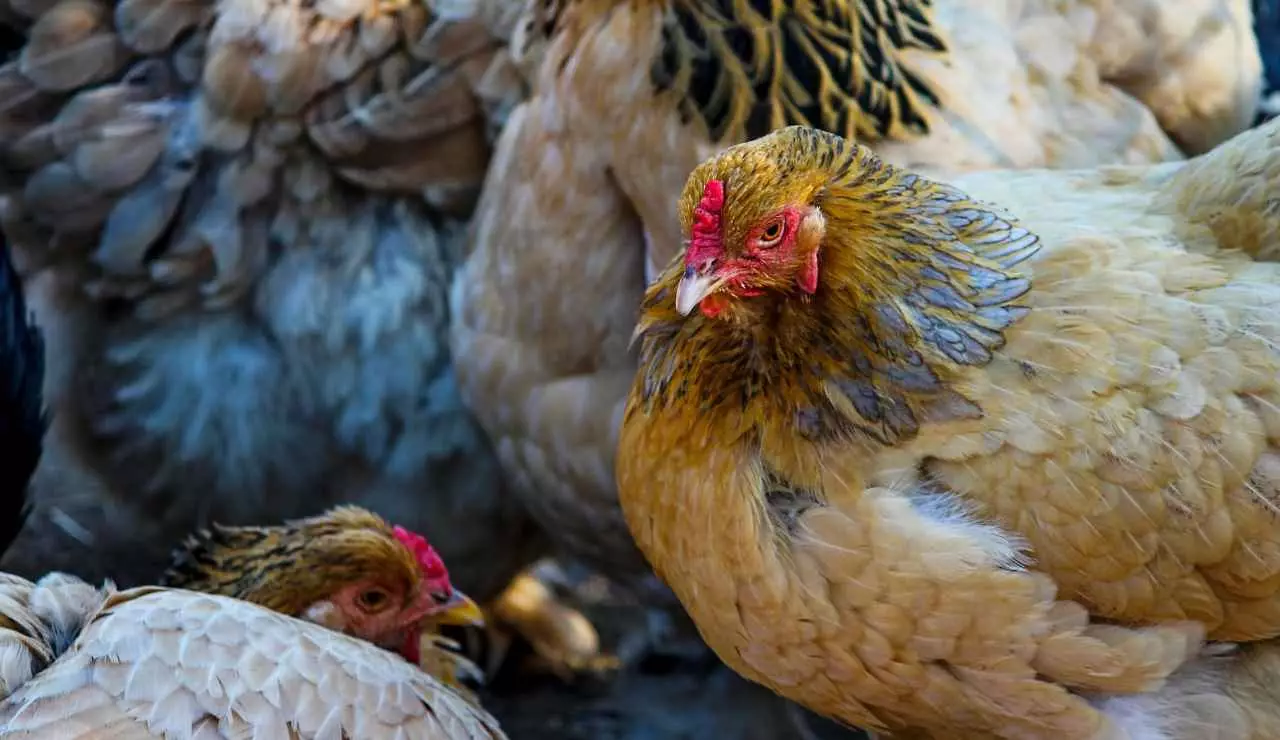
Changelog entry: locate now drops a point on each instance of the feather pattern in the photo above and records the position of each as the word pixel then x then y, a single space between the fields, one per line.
pixel 170 663
pixel 746 67
pixel 742 68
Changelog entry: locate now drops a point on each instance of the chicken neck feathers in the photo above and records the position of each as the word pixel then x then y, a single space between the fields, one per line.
pixel 22 416
pixel 921 279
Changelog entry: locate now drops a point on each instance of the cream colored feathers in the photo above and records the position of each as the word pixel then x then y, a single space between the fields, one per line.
pixel 176 664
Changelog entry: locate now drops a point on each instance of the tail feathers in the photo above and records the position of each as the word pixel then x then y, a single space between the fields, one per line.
pixel 1225 197
pixel 22 416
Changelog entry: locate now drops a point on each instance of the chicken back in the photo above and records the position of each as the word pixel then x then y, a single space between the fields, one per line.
pixel 169 663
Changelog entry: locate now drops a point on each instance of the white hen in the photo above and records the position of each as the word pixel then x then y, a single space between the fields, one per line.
pixel 151 662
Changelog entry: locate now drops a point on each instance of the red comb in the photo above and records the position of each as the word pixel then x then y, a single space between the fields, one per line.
pixel 706 238
pixel 428 559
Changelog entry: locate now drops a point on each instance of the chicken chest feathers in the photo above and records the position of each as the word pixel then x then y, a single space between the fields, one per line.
pixel 931 289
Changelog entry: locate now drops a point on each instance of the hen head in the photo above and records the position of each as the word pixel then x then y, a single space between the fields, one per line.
pixel 868 288
pixel 346 569
pixel 754 225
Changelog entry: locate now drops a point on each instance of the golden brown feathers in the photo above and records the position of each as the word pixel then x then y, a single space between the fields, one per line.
pixel 288 568
pixel 972 478
pixel 921 280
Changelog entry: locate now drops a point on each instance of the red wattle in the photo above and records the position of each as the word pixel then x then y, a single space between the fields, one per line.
pixel 412 648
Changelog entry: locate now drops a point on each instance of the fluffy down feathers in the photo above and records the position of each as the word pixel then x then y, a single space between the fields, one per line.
pixel 185 665
pixel 263 201
pixel 903 499
pixel 544 305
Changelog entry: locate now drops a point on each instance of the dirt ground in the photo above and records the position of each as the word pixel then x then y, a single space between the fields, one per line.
pixel 662 697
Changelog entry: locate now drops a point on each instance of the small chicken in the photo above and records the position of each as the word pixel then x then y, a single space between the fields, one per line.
pixel 629 95
pixel 918 462
pixel 151 662
pixel 346 561
pixel 347 571
pixel 22 419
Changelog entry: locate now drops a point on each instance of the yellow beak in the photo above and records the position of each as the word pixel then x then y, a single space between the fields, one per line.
pixel 459 610
pixel 692 288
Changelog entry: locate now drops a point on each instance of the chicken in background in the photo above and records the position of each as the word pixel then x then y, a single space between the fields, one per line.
pixel 142 660
pixel 627 97
pixel 917 462
pixel 239 221
pixel 22 417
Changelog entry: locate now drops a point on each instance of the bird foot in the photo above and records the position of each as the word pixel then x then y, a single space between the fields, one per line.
pixel 564 642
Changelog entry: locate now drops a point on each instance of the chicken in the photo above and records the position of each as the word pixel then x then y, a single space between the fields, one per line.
pixel 347 571
pixel 627 97
pixel 22 420
pixel 914 461
pixel 290 569
pixel 152 662
pixel 240 220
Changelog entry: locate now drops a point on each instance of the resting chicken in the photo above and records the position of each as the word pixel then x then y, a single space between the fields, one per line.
pixel 628 96
pixel 982 459
pixel 168 662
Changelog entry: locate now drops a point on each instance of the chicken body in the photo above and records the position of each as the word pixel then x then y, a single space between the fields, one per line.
pixel 240 220
pixel 628 97
pixel 898 461
pixel 176 664
pixel 346 571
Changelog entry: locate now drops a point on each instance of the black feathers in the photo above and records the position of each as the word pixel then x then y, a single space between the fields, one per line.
pixel 22 417
pixel 746 67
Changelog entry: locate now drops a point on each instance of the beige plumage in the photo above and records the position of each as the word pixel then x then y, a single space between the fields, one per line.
pixel 992 467
pixel 629 96
pixel 169 663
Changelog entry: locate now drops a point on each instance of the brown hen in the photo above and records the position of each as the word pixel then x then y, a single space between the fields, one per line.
pixel 917 463
pixel 628 97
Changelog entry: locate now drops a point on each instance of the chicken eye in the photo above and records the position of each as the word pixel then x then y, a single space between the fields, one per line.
pixel 771 234
pixel 373 599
